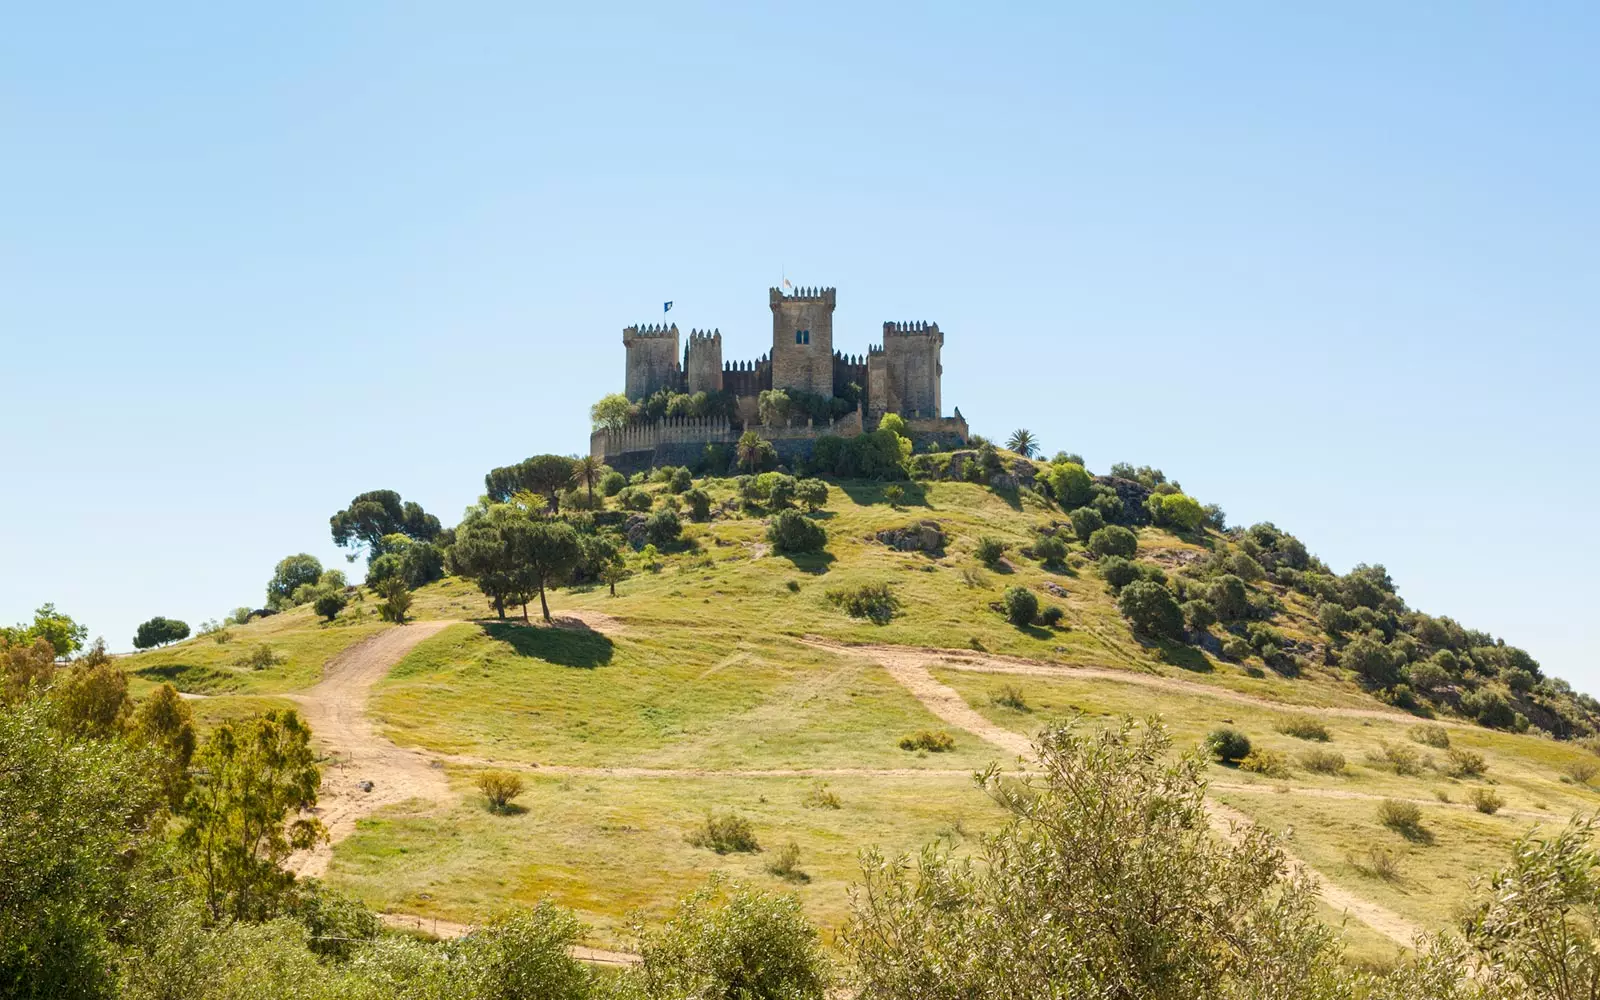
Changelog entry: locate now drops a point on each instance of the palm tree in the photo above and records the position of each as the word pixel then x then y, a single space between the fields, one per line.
pixel 750 448
pixel 586 471
pixel 1022 442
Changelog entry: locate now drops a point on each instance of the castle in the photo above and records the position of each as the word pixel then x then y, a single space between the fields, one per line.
pixel 901 375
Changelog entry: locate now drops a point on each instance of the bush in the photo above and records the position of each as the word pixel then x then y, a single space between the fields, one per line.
pixel 1490 709
pixel 1230 597
pixel 329 603
pixel 932 742
pixel 1022 606
pixel 1237 648
pixel 1431 735
pixel 680 480
pixel 1113 540
pixel 499 787
pixel 1372 661
pixel 259 657
pixel 1010 696
pixel 777 488
pixel 1051 616
pixel 1427 676
pixel 821 797
pixel 1304 727
pixel 1402 760
pixel 699 504
pixel 1266 762
pixel 1176 511
pixel 990 550
pixel 873 601
pixel 1227 744
pixel 1050 550
pixel 1117 572
pixel 1151 609
pixel 634 498
pixel 1486 800
pixel 1322 761
pixel 1463 763
pixel 786 864
pixel 812 492
pixel 1070 484
pixel 1379 863
pixel 1085 522
pixel 1405 818
pixel 1581 771
pixel 725 833
pixel 791 531
pixel 612 483
pixel 663 527
pixel 894 493
pixel 1199 615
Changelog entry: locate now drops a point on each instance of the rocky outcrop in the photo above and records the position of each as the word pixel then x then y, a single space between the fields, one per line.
pixel 923 536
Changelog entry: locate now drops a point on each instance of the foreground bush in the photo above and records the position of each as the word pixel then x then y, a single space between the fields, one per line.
pixel 1022 606
pixel 932 742
pixel 791 531
pixel 1228 744
pixel 499 788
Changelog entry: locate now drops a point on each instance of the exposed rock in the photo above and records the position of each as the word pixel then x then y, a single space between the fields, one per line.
pixel 1003 483
pixel 1024 472
pixel 1133 495
pixel 923 536
pixel 1055 588
pixel 635 530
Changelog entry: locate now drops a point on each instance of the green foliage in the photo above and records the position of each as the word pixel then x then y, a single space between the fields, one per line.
pixel 1371 661
pixel 63 634
pixel 1022 442
pixel 729 941
pixel 1106 882
pixel 612 483
pixel 1010 696
pixel 329 603
pixel 699 504
pixel 546 475
pixel 1022 606
pixel 895 424
pixel 793 532
pixel 1151 609
pixel 372 516
pixel 92 696
pixel 682 480
pixel 786 864
pixel 1490 708
pixel 929 741
pixel 512 557
pixel 1176 511
pixel 873 601
pixel 894 493
pixel 1071 485
pixel 813 493
pixel 755 452
pixel 1304 727
pixel 499 788
pixel 396 601
pixel 1265 762
pixel 1113 540
pixel 1117 572
pixel 163 725
pixel 821 797
pixel 990 550
pixel 611 412
pixel 881 454
pixel 258 657
pixel 414 563
pixel 663 527
pixel 1085 522
pixel 725 833
pixel 292 573
pixel 250 778
pixel 1459 762
pixel 1227 744
pixel 1430 734
pixel 777 488
pixel 1486 800
pixel 1050 550
pixel 633 498
pixel 73 813
pixel 1198 614
pixel 159 631
pixel 1405 818
pixel 774 408
pixel 1427 676
pixel 25 667
pixel 1051 616
pixel 1322 761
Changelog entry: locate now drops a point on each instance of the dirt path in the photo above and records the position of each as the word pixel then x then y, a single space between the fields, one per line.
pixel 450 929
pixel 336 709
pixel 984 663
pixel 909 668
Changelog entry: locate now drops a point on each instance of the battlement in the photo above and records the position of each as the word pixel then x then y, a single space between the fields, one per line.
pixel 648 331
pixel 849 359
pixel 916 328
pixel 828 296
pixel 695 335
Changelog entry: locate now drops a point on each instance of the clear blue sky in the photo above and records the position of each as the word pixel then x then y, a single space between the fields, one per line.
pixel 1334 268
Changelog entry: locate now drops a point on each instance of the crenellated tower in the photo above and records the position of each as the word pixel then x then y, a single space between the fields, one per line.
pixel 652 353
pixel 903 375
pixel 802 339
pixel 702 361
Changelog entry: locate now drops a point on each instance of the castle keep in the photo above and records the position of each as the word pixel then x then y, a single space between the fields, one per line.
pixel 899 375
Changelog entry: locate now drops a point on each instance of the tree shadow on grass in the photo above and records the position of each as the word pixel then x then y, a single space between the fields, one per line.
pixel 1177 654
pixel 568 646
pixel 869 492
pixel 815 563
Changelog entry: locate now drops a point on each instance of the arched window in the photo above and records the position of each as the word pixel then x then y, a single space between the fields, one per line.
pixel 802 336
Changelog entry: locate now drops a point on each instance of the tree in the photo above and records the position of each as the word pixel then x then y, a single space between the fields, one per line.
pixel 251 776
pixel 754 451
pixel 487 551
pixel 1105 882
pixel 663 527
pixel 416 563
pixel 159 631
pixel 74 826
pixel 1022 606
pixel 1070 484
pixel 329 603
pixel 1085 522
pixel 93 695
pixel 1022 442
pixel 792 532
pixel 1113 540
pixel 894 424
pixel 64 635
pixel 396 601
pixel 552 551
pixel 1176 510
pixel 164 723
pixel 1228 745
pixel 774 406
pixel 546 475
pixel 813 493
pixel 373 515
pixel 1151 609
pixel 587 471
pixel 611 413
pixel 291 574
pixel 1371 661
pixel 699 504
pixel 727 940
pixel 25 666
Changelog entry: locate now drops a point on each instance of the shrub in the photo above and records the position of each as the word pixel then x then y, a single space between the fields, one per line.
pixel 680 480
pixel 329 603
pixel 499 787
pixel 1463 763
pixel 634 498
pixel 1022 606
pixel 699 504
pixel 932 742
pixel 990 550
pixel 1070 484
pixel 1378 862
pixel 1198 615
pixel 1405 818
pixel 1085 522
pixel 1304 727
pixel 1236 648
pixel 1581 771
pixel 258 657
pixel 786 864
pixel 612 483
pixel 1490 709
pixel 1228 745
pixel 1322 761
pixel 1151 609
pixel 1230 597
pixel 663 527
pixel 725 833
pixel 821 797
pixel 777 488
pixel 813 493
pixel 1427 676
pixel 792 531
pixel 1113 540
pixel 1372 661
pixel 894 494
pixel 1010 696
pixel 1176 511
pixel 1486 800
pixel 396 601
pixel 1266 762
pixel 873 601
pixel 1051 616
pixel 1429 734
pixel 1117 572
pixel 1050 550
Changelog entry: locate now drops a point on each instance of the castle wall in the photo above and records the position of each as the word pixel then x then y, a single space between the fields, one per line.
pixel 682 441
pixel 946 432
pixel 652 360
pixel 912 352
pixel 879 400
pixel 702 361
pixel 806 366
pixel 847 369
pixel 747 378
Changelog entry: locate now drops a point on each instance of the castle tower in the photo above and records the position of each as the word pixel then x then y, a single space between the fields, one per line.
pixel 702 361
pixel 652 359
pixel 906 375
pixel 802 339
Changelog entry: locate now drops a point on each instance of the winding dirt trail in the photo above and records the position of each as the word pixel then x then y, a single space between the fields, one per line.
pixel 336 709
pixel 909 667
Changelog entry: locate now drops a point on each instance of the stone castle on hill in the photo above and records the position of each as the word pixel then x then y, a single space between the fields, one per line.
pixel 900 375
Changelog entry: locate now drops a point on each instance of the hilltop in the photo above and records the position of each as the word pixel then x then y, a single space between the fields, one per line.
pixel 841 697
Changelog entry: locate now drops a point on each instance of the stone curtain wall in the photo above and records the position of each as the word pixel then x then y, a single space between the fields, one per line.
pixel 683 441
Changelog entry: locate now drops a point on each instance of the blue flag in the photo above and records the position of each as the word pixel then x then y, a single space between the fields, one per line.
pixel 666 307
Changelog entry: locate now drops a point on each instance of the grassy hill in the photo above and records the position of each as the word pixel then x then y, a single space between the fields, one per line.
pixel 724 677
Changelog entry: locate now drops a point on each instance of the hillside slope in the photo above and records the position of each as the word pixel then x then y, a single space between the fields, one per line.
pixel 723 677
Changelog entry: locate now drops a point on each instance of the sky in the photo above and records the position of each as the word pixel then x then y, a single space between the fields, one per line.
pixel 1331 267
